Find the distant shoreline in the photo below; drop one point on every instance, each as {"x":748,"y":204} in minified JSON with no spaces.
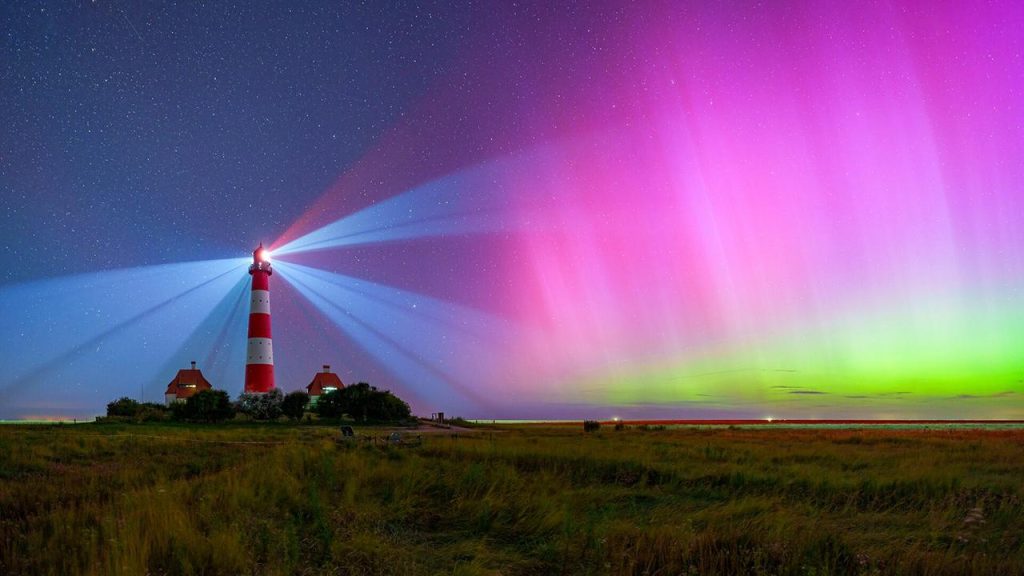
{"x":761,"y":422}
{"x":88,"y":420}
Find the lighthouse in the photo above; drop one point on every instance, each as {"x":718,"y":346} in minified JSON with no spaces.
{"x":259,"y":362}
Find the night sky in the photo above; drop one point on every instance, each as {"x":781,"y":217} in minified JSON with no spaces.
{"x":137,"y":133}
{"x":679,"y":209}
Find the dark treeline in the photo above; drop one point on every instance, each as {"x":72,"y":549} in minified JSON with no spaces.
{"x":360,"y":402}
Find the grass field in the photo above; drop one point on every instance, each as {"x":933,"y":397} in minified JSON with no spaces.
{"x":279,"y":499}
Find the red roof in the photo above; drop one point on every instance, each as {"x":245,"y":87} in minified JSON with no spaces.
{"x":188,"y":382}
{"x":323,"y":380}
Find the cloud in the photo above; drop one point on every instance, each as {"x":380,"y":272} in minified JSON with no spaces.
{"x":1003,"y":394}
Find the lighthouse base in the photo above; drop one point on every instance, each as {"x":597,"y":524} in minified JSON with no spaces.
{"x":259,"y":378}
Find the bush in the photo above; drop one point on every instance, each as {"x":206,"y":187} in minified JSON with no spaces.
{"x":152,"y":412}
{"x":461,"y":422}
{"x":363,"y":403}
{"x":266,"y":406}
{"x":204,"y":406}
{"x":128,"y":410}
{"x":331,"y":405}
{"x":123,"y":407}
{"x":294,"y":404}
{"x":591,"y":425}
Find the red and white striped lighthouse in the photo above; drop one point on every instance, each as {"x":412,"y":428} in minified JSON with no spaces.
{"x":259,"y":363}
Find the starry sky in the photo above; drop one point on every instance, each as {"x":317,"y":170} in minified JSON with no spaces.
{"x":520,"y":210}
{"x":160,"y":132}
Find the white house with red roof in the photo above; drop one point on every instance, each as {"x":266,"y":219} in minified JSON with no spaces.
{"x":188,"y":382}
{"x":323,"y":383}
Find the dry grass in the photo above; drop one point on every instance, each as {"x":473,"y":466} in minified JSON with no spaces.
{"x":165,"y":499}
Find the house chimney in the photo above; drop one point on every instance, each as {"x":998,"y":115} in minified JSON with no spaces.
{"x":193,"y":364}
{"x":327,"y":368}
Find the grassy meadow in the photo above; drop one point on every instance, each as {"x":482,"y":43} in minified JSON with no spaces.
{"x":289,"y":499}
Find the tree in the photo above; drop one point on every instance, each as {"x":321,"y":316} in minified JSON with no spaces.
{"x":123,"y":407}
{"x":294,"y":404}
{"x":363,"y":402}
{"x":356,"y":400}
{"x":266,"y":406}
{"x":206,"y":406}
{"x":387,"y":406}
{"x":331,"y":405}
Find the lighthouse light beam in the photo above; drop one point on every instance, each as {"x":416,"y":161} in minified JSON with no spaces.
{"x":390,"y":324}
{"x":81,"y":328}
{"x":473,"y":201}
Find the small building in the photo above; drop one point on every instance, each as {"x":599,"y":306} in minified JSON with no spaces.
{"x":323,"y":383}
{"x":188,"y":382}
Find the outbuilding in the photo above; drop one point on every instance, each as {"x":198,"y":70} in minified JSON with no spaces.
{"x":188,"y":382}
{"x":323,"y":383}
